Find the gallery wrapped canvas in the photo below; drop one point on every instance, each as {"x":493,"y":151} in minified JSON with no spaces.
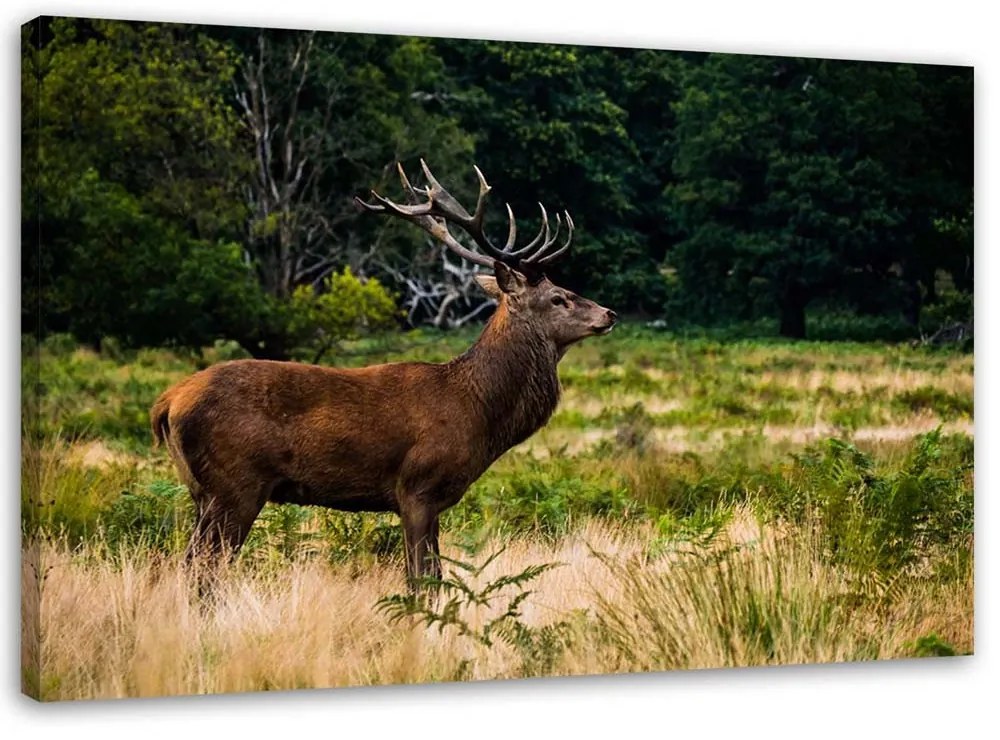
{"x":356,"y":359}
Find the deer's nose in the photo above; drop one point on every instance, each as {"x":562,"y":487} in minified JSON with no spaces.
{"x":612,"y":316}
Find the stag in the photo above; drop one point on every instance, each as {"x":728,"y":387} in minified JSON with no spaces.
{"x":407,"y":437}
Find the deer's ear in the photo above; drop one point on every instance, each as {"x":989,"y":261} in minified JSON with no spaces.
{"x":508,"y":279}
{"x":489,"y":284}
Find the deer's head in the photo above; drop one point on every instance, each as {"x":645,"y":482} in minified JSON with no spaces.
{"x":560,"y":315}
{"x":518,"y":284}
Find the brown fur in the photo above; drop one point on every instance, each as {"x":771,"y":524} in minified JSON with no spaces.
{"x":404,"y":437}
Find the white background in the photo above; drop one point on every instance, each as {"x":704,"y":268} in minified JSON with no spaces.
{"x":929,"y":698}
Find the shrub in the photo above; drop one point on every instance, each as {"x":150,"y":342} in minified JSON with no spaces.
{"x":874,"y":519}
{"x":348,"y":536}
{"x":952,"y":306}
{"x":833,"y":326}
{"x":931,"y":646}
{"x":345,"y":307}
{"x":633,"y":428}
{"x":157,"y":517}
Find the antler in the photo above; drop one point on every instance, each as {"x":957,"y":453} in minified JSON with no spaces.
{"x":440,"y":209}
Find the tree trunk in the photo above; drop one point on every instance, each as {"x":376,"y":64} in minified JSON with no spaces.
{"x":912,"y":302}
{"x":792,"y":305}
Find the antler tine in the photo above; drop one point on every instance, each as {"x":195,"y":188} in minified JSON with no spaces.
{"x":543,"y":232}
{"x":411,"y":192}
{"x":484,"y":191}
{"x":447,"y":207}
{"x":410,"y":212}
{"x":569,"y":238}
{"x":549,"y":241}
{"x":511,"y":231}
{"x":384,"y":204}
{"x":362,"y":206}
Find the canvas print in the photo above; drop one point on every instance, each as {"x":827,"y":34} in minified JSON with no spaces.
{"x":359,"y":360}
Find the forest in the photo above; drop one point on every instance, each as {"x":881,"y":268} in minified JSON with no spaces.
{"x":185,"y":185}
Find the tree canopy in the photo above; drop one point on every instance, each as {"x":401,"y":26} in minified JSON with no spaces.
{"x":183,"y":184}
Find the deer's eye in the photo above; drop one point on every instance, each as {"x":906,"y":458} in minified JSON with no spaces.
{"x":558,"y":300}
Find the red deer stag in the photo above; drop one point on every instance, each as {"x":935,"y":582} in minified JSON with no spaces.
{"x":406,"y":437}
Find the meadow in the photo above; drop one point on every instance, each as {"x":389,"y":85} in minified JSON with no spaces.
{"x":695,"y":502}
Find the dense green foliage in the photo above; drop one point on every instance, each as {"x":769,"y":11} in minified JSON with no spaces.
{"x":205,"y":174}
{"x":131,"y":186}
{"x":804,"y":178}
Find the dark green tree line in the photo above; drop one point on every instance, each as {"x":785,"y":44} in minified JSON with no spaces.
{"x":183,"y":184}
{"x":806,"y":179}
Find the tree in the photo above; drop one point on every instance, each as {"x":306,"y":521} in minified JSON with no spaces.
{"x":131,"y":186}
{"x":207,"y":174}
{"x":797,"y":179}
{"x":141,"y":141}
{"x":329,"y":115}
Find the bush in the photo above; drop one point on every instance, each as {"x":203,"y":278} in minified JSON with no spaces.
{"x":951,"y":307}
{"x":157,"y":517}
{"x":347,"y":536}
{"x":876,"y":520}
{"x":634,"y":428}
{"x":934,"y":400}
{"x":346,"y":307}
{"x":837,"y":326}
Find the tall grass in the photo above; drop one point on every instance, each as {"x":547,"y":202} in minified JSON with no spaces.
{"x":136,"y":627}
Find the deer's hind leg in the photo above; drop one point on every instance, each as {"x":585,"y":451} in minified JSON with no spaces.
{"x":225,"y":512}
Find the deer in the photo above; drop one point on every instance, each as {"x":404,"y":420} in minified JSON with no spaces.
{"x":405,"y":437}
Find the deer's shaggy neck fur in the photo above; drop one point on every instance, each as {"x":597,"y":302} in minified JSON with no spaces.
{"x":510,"y":373}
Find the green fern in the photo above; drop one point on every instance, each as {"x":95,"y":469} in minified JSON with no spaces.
{"x":444,"y":603}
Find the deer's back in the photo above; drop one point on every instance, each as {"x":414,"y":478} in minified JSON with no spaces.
{"x":336,"y":437}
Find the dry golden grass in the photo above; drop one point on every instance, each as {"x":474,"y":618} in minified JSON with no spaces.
{"x":588,"y":405}
{"x":894,"y":380}
{"x":136,"y":627}
{"x":678,"y":439}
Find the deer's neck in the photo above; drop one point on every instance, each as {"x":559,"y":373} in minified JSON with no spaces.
{"x":510,"y":373}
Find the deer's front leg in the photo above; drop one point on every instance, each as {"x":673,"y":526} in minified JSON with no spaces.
{"x":420,"y":538}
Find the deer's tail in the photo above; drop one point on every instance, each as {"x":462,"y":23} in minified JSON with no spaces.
{"x":159,"y":418}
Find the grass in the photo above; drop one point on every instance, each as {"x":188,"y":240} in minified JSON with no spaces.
{"x":694,"y":503}
{"x":695,"y":384}
{"x":758,"y":595}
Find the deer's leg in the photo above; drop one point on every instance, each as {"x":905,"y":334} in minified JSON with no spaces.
{"x":224,"y":518}
{"x":199,"y":544}
{"x":427,"y":486}
{"x":206,"y":540}
{"x":434,"y":559}
{"x":420,"y":541}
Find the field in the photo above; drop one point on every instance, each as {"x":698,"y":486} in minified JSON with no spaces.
{"x":693,"y":503}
